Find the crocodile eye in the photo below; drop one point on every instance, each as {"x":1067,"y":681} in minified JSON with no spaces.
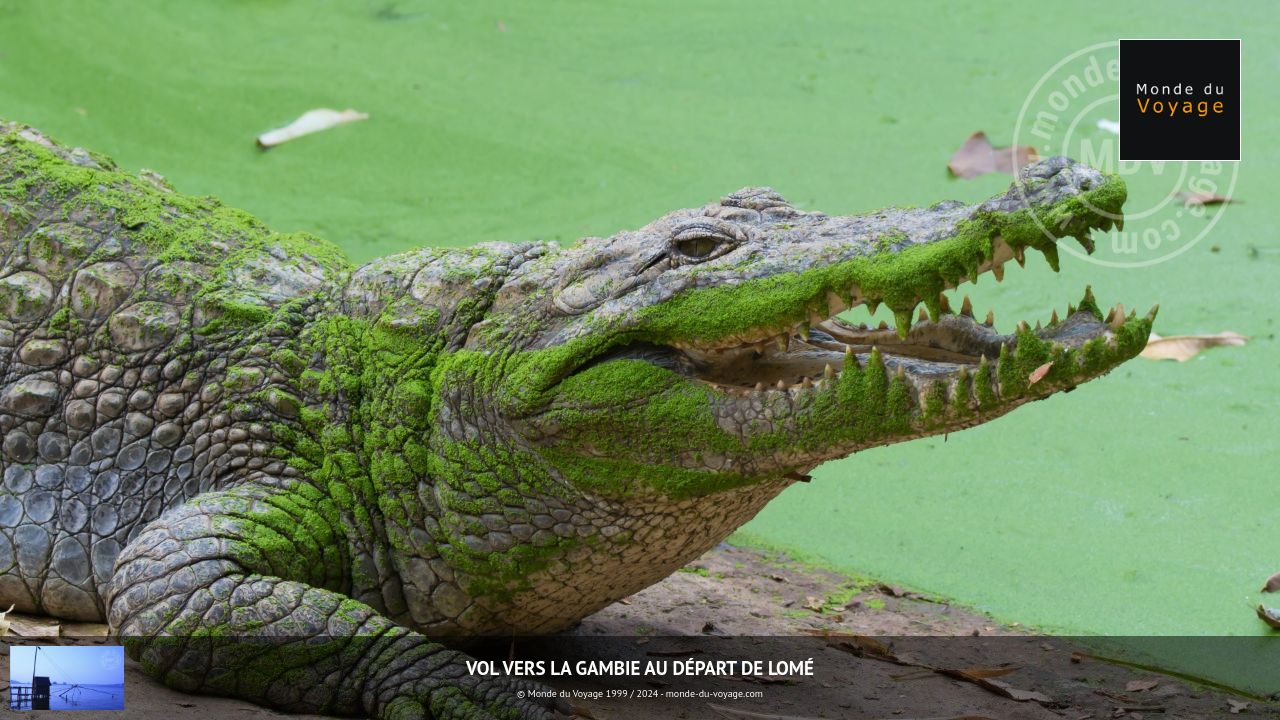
{"x":697,"y":248}
{"x":704,"y":240}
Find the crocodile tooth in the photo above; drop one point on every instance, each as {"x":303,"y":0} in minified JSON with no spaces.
{"x":760,"y":347}
{"x":991,"y":318}
{"x":944,"y":304}
{"x":782,"y":384}
{"x":872,"y":306}
{"x":1020,"y":254}
{"x":1086,"y":242}
{"x":901,"y":373}
{"x":998,"y":271}
{"x":923,"y":316}
{"x":1053,"y":319}
{"x":1023,"y":327}
{"x":1120,"y":223}
{"x":884,"y":325}
{"x":759,"y":387}
{"x":783,"y":342}
{"x":1051,"y":256}
{"x":902,"y":318}
{"x":805,"y":382}
{"x":963,"y":373}
{"x":803,"y":331}
{"x":1037,"y":326}
{"x":1071,"y":309}
{"x":1151,"y":314}
{"x":828,"y":372}
{"x":967,"y":308}
{"x":850,"y":359}
{"x":1117,"y":317}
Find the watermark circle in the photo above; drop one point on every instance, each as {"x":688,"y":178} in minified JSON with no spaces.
{"x":1068,"y":112}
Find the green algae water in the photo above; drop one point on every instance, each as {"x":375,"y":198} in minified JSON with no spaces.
{"x":1141,"y":504}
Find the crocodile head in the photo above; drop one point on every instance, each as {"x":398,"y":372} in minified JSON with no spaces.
{"x":704,"y":351}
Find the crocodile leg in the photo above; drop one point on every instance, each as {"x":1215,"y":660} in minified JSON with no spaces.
{"x":224,"y":595}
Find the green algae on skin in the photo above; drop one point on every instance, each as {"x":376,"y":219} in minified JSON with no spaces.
{"x":171,"y":226}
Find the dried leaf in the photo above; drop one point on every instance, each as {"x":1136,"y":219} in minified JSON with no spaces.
{"x":1038,"y":374}
{"x":979,"y":673}
{"x":311,"y":121}
{"x":1270,"y":616}
{"x":1195,"y":197}
{"x":858,"y":645}
{"x":34,"y":627}
{"x":977,"y":157}
{"x":1185,"y":347}
{"x":892,"y":590}
{"x":863,"y":646}
{"x":814,"y":603}
{"x":1140,"y":685}
{"x":1273,"y":583}
{"x":4,"y":623}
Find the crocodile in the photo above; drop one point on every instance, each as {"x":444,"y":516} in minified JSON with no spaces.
{"x":215,"y":434}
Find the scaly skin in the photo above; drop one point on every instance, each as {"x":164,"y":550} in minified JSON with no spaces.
{"x":216,"y":434}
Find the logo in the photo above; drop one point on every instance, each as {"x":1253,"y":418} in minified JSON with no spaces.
{"x":1074,"y":110}
{"x":1180,"y":99}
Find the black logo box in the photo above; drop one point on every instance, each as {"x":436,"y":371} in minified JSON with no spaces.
{"x":1187,"y":69}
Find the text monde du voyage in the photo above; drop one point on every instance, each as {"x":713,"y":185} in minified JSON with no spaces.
{"x":1175,"y":100}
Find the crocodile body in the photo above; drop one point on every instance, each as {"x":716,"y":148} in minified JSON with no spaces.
{"x":211,"y":430}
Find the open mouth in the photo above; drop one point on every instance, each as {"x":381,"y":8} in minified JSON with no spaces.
{"x":945,"y":344}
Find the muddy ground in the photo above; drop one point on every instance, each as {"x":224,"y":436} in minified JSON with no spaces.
{"x":878,"y":651}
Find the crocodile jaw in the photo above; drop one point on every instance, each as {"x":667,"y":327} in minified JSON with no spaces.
{"x":749,"y":349}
